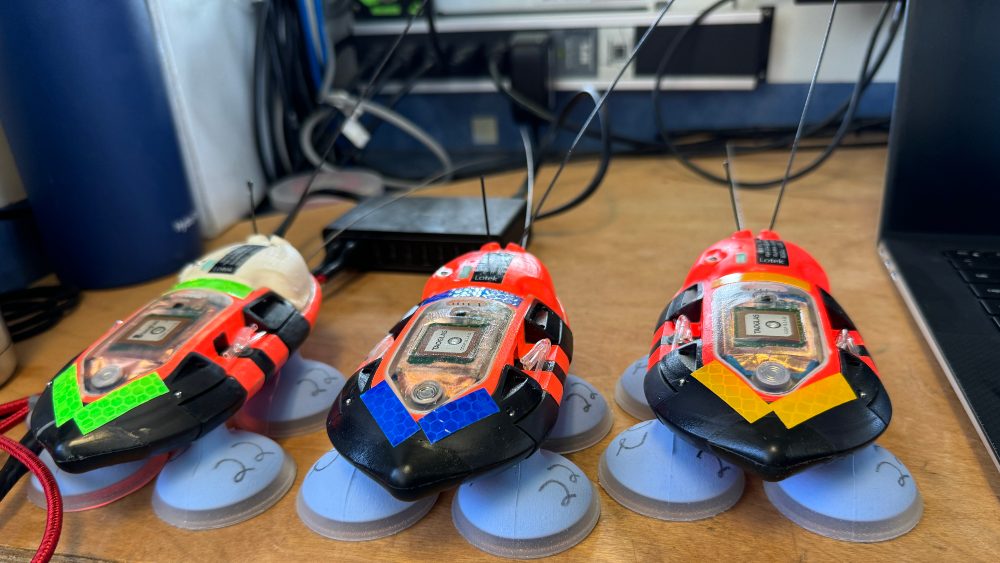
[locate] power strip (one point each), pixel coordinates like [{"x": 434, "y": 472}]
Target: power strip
[{"x": 729, "y": 51}]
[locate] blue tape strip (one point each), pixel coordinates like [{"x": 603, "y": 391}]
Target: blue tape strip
[
  {"x": 456, "y": 415},
  {"x": 483, "y": 292},
  {"x": 389, "y": 413}
]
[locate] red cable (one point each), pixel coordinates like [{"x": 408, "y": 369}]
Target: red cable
[
  {"x": 9, "y": 421},
  {"x": 53, "y": 500},
  {"x": 13, "y": 406}
]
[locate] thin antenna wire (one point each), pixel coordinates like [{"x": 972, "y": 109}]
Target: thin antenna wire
[
  {"x": 486, "y": 211},
  {"x": 530, "y": 194},
  {"x": 600, "y": 102},
  {"x": 366, "y": 95},
  {"x": 253, "y": 211},
  {"x": 802, "y": 119},
  {"x": 728, "y": 165}
]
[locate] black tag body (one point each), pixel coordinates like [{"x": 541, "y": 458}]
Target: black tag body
[
  {"x": 492, "y": 267},
  {"x": 232, "y": 261},
  {"x": 772, "y": 252}
]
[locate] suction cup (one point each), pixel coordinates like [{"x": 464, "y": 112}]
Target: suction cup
[
  {"x": 338, "y": 501},
  {"x": 584, "y": 418},
  {"x": 296, "y": 401},
  {"x": 868, "y": 496},
  {"x": 94, "y": 489},
  {"x": 539, "y": 507},
  {"x": 651, "y": 471},
  {"x": 629, "y": 393},
  {"x": 225, "y": 477}
]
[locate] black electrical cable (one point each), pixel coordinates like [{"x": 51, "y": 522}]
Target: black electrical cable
[
  {"x": 337, "y": 259},
  {"x": 432, "y": 32},
  {"x": 284, "y": 94},
  {"x": 493, "y": 67},
  {"x": 602, "y": 166},
  {"x": 496, "y": 76},
  {"x": 277, "y": 100},
  {"x": 32, "y": 311},
  {"x": 864, "y": 79},
  {"x": 710, "y": 143},
  {"x": 277, "y": 94},
  {"x": 305, "y": 92},
  {"x": 713, "y": 143}
]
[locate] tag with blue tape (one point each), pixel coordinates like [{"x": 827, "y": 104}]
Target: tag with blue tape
[
  {"x": 389, "y": 413},
  {"x": 397, "y": 424},
  {"x": 456, "y": 415},
  {"x": 481, "y": 292}
]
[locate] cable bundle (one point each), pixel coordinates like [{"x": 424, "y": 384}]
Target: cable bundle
[
  {"x": 32, "y": 311},
  {"x": 24, "y": 457}
]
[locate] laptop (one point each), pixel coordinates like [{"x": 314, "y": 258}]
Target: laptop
[{"x": 940, "y": 229}]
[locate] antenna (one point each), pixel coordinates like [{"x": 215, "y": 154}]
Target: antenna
[
  {"x": 253, "y": 211},
  {"x": 728, "y": 165},
  {"x": 349, "y": 116},
  {"x": 600, "y": 103},
  {"x": 530, "y": 194},
  {"x": 486, "y": 212},
  {"x": 802, "y": 119}
]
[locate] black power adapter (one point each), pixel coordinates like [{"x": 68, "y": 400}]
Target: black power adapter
[
  {"x": 529, "y": 60},
  {"x": 418, "y": 234}
]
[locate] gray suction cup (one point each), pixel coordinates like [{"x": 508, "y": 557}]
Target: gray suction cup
[
  {"x": 295, "y": 401},
  {"x": 100, "y": 487},
  {"x": 225, "y": 477},
  {"x": 629, "y": 393},
  {"x": 868, "y": 496},
  {"x": 338, "y": 501},
  {"x": 651, "y": 471},
  {"x": 539, "y": 507},
  {"x": 584, "y": 418}
]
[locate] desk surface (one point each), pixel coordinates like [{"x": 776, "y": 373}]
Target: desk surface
[{"x": 616, "y": 261}]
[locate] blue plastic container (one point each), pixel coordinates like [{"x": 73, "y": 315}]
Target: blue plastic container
[{"x": 85, "y": 109}]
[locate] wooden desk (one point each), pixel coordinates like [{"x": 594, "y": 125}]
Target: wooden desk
[{"x": 616, "y": 261}]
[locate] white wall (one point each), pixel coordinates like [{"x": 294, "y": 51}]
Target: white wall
[{"x": 797, "y": 34}]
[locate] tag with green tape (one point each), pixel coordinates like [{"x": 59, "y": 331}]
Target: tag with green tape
[
  {"x": 233, "y": 288},
  {"x": 67, "y": 403}
]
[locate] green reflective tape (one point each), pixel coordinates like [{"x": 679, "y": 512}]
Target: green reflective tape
[
  {"x": 65, "y": 395},
  {"x": 235, "y": 289},
  {"x": 389, "y": 10},
  {"x": 68, "y": 405}
]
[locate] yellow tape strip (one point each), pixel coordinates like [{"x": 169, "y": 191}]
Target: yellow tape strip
[
  {"x": 813, "y": 399},
  {"x": 793, "y": 409},
  {"x": 732, "y": 389}
]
